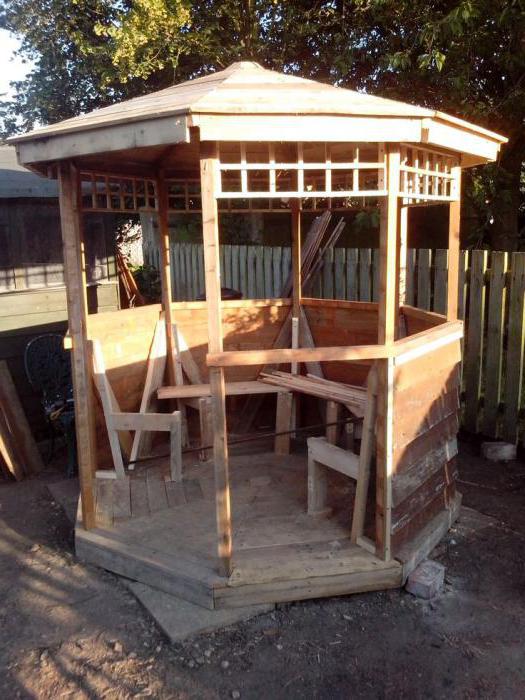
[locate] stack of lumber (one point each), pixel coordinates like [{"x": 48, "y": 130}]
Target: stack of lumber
[
  {"x": 312, "y": 250},
  {"x": 19, "y": 455},
  {"x": 353, "y": 397}
]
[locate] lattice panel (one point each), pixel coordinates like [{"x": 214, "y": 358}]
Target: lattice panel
[
  {"x": 428, "y": 175},
  {"x": 115, "y": 193},
  {"x": 306, "y": 170},
  {"x": 184, "y": 197}
]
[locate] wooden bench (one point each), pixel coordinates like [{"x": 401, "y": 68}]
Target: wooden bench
[
  {"x": 198, "y": 396},
  {"x": 322, "y": 455}
]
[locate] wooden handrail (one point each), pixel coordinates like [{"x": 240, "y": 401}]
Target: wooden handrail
[{"x": 419, "y": 343}]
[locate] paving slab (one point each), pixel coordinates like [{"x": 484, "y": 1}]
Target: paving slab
[{"x": 180, "y": 619}]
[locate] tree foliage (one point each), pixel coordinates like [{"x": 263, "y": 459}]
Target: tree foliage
[{"x": 466, "y": 57}]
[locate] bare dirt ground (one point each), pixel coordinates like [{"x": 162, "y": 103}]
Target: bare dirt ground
[{"x": 72, "y": 631}]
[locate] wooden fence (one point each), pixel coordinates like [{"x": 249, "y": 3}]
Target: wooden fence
[{"x": 492, "y": 292}]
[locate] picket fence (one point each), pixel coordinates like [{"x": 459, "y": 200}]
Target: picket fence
[{"x": 491, "y": 300}]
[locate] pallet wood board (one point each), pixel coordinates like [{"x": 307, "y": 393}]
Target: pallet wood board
[{"x": 426, "y": 407}]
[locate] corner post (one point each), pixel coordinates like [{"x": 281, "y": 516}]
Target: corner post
[
  {"x": 454, "y": 246},
  {"x": 209, "y": 172},
  {"x": 75, "y": 277},
  {"x": 387, "y": 317}
]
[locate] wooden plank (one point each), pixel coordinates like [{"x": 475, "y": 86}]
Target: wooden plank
[
  {"x": 283, "y": 422},
  {"x": 259, "y": 272},
  {"x": 403, "y": 255},
  {"x": 365, "y": 286},
  {"x": 243, "y": 271},
  {"x": 268, "y": 280},
  {"x": 104, "y": 502},
  {"x": 279, "y": 356},
  {"x": 515, "y": 341},
  {"x": 186, "y": 358},
  {"x": 203, "y": 390},
  {"x": 328, "y": 274},
  {"x": 474, "y": 340},
  {"x": 210, "y": 221},
  {"x": 494, "y": 343},
  {"x": 366, "y": 454},
  {"x": 165, "y": 271},
  {"x": 121, "y": 499},
  {"x": 453, "y": 247},
  {"x": 157, "y": 496},
  {"x": 352, "y": 277},
  {"x": 107, "y": 400},
  {"x": 334, "y": 457},
  {"x": 424, "y": 265},
  {"x": 409, "y": 455},
  {"x": 154, "y": 376},
  {"x": 16, "y": 419},
  {"x": 139, "y": 497},
  {"x": 9, "y": 451},
  {"x": 405, "y": 483},
  {"x": 375, "y": 275},
  {"x": 74, "y": 272},
  {"x": 440, "y": 283},
  {"x": 333, "y": 410},
  {"x": 339, "y": 273},
  {"x": 155, "y": 422},
  {"x": 411, "y": 274},
  {"x": 176, "y": 448},
  {"x": 464, "y": 262},
  {"x": 388, "y": 241},
  {"x": 251, "y": 273},
  {"x": 297, "y": 289}
]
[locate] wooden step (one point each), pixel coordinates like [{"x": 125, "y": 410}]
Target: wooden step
[
  {"x": 232, "y": 389},
  {"x": 323, "y": 452}
]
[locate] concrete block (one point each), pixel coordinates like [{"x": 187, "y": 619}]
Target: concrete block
[
  {"x": 426, "y": 580},
  {"x": 180, "y": 619},
  {"x": 498, "y": 451}
]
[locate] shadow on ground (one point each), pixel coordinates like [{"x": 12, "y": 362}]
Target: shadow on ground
[{"x": 68, "y": 630}]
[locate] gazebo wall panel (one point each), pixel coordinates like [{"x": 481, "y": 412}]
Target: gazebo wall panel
[{"x": 426, "y": 407}]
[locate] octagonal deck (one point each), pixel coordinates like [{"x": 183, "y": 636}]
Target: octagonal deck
[{"x": 280, "y": 552}]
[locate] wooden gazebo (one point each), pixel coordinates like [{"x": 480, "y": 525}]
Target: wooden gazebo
[{"x": 263, "y": 527}]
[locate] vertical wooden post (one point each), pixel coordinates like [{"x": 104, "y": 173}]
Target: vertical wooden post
[
  {"x": 453, "y": 247},
  {"x": 295, "y": 205},
  {"x": 165, "y": 272},
  {"x": 388, "y": 310},
  {"x": 403, "y": 254},
  {"x": 74, "y": 274},
  {"x": 297, "y": 284},
  {"x": 212, "y": 273}
]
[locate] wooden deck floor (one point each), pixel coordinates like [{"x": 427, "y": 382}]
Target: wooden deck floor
[{"x": 164, "y": 534}]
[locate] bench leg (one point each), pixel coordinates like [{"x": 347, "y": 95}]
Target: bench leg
[
  {"x": 176, "y": 449},
  {"x": 283, "y": 421},
  {"x": 317, "y": 487},
  {"x": 206, "y": 430},
  {"x": 332, "y": 415}
]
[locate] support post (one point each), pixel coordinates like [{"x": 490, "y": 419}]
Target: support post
[
  {"x": 209, "y": 172},
  {"x": 388, "y": 311},
  {"x": 297, "y": 284},
  {"x": 454, "y": 247},
  {"x": 74, "y": 273},
  {"x": 165, "y": 272}
]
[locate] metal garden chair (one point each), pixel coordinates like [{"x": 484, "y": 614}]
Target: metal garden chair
[{"x": 48, "y": 370}]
